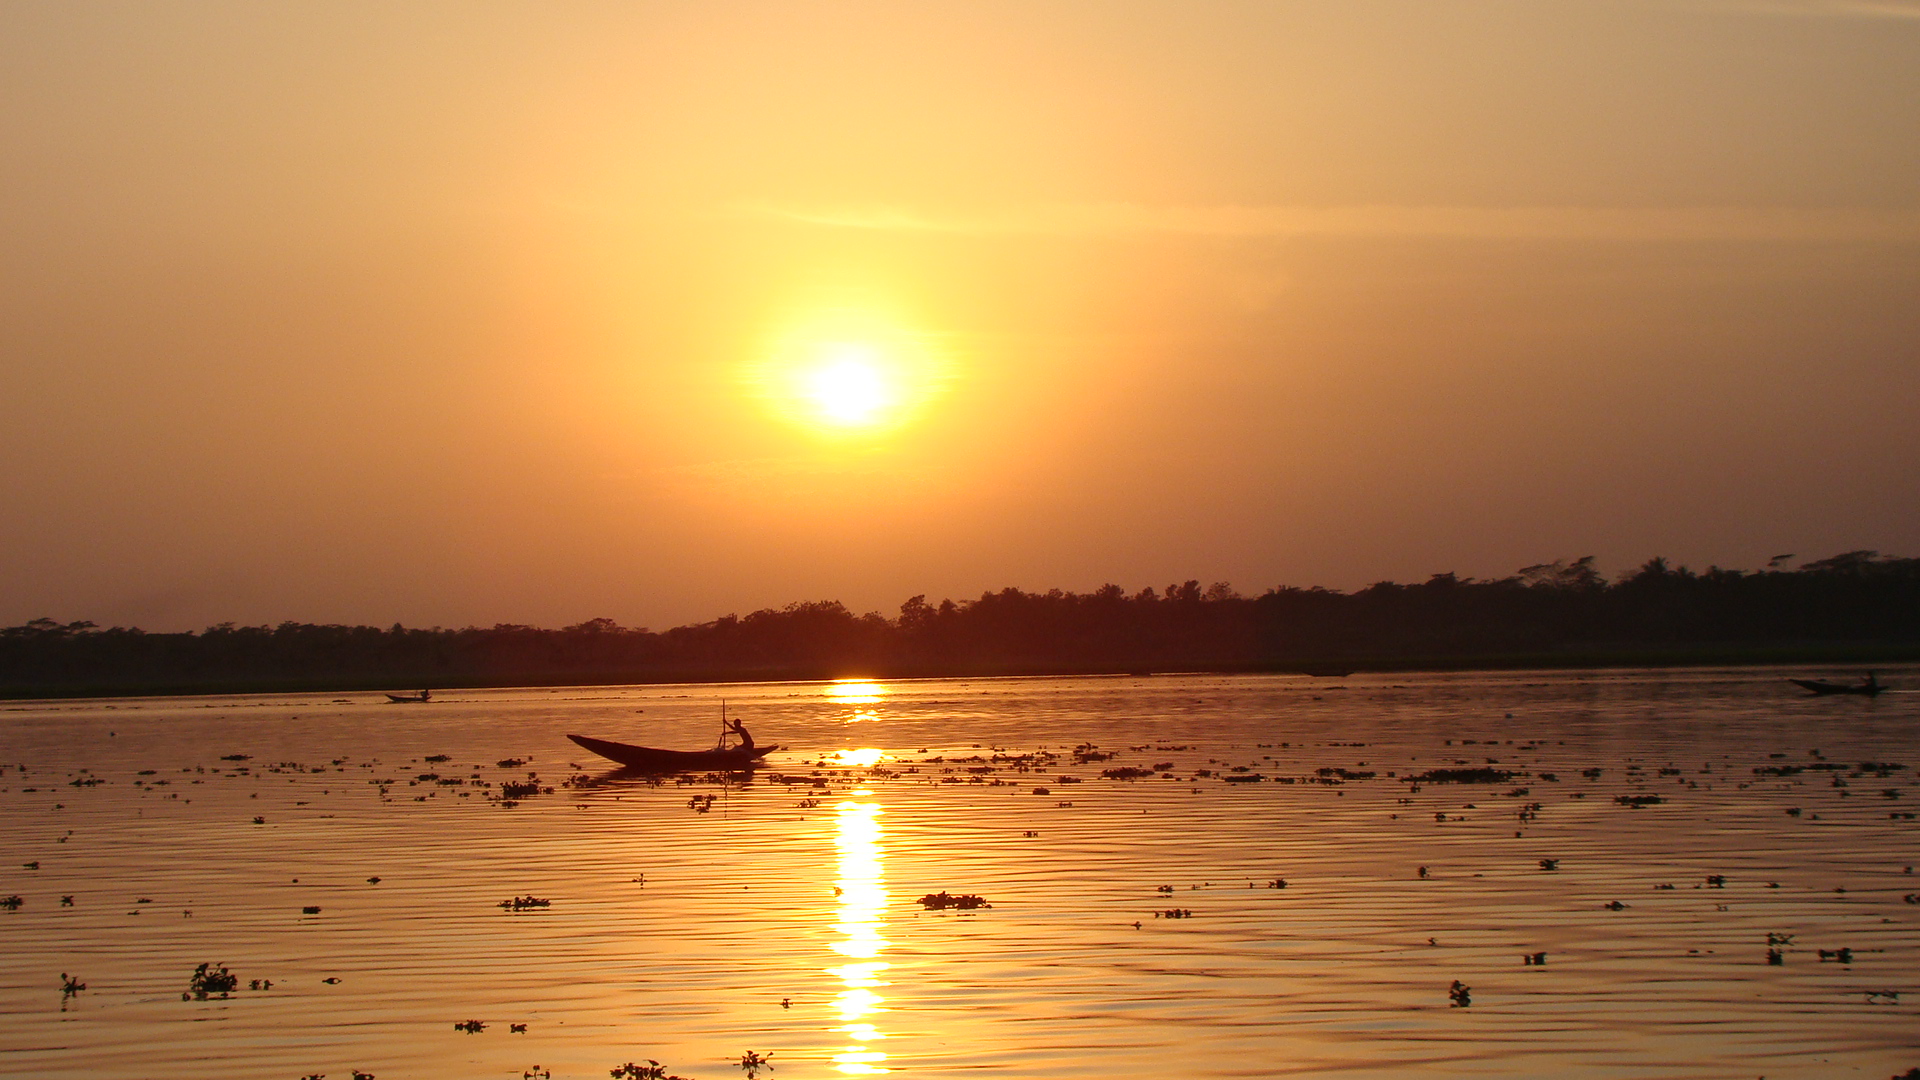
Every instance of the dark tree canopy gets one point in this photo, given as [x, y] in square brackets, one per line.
[1855, 605]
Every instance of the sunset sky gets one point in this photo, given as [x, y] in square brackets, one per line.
[471, 312]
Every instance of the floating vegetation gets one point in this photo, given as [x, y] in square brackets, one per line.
[1126, 772]
[1549, 864]
[310, 909]
[236, 757]
[471, 1027]
[522, 903]
[1638, 801]
[1174, 913]
[1614, 905]
[11, 903]
[1538, 959]
[435, 759]
[751, 1063]
[1462, 776]
[943, 900]
[506, 763]
[1460, 994]
[652, 1070]
[1838, 956]
[70, 985]
[512, 790]
[209, 980]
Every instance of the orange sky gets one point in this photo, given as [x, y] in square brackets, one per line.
[471, 312]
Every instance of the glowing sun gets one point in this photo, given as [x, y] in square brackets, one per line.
[844, 375]
[850, 386]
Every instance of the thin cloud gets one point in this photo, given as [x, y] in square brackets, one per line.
[1438, 222]
[1826, 9]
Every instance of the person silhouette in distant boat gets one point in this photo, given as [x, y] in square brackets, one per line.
[746, 740]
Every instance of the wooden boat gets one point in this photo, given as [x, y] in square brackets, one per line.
[424, 695]
[1867, 687]
[653, 759]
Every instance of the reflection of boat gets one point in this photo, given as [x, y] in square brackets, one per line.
[652, 759]
[1868, 686]
[424, 695]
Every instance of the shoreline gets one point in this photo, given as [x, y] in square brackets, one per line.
[1322, 668]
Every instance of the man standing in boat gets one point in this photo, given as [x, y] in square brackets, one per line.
[746, 740]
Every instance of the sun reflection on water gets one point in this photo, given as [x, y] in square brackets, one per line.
[863, 906]
[855, 692]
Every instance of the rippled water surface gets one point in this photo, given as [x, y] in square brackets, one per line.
[1270, 893]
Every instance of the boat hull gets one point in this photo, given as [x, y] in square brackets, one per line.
[1818, 687]
[653, 759]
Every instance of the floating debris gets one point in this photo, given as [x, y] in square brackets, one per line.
[943, 900]
[522, 903]
[752, 1062]
[471, 1027]
[1460, 994]
[209, 980]
[652, 1070]
[1462, 776]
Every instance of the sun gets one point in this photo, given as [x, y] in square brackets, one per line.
[850, 385]
[842, 374]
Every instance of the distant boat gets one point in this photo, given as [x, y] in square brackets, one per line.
[1326, 671]
[654, 759]
[1866, 687]
[424, 695]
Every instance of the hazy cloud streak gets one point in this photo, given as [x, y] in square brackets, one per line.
[1826, 9]
[1442, 222]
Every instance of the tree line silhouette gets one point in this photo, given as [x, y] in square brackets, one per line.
[1856, 606]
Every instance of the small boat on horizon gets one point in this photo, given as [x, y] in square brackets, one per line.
[1866, 687]
[424, 695]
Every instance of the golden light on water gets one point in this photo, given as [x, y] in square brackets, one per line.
[855, 691]
[863, 758]
[848, 372]
[862, 915]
